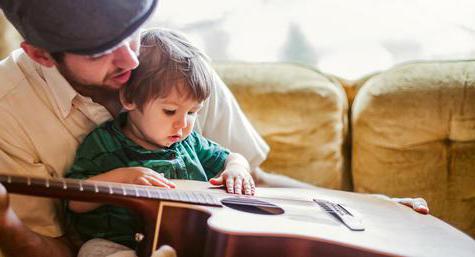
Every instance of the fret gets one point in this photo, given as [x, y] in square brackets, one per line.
[56, 183]
[155, 194]
[110, 189]
[130, 190]
[143, 192]
[9, 179]
[136, 191]
[81, 188]
[64, 184]
[116, 190]
[167, 195]
[124, 191]
[72, 185]
[199, 198]
[148, 193]
[96, 190]
[181, 197]
[187, 198]
[28, 181]
[103, 188]
[47, 183]
[88, 186]
[209, 199]
[194, 197]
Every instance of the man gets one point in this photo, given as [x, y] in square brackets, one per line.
[61, 85]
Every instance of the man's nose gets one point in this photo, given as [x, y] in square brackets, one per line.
[125, 57]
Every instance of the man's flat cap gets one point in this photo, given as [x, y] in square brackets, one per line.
[85, 27]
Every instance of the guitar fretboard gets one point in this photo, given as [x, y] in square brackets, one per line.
[65, 187]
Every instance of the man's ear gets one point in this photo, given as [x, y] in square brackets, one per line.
[127, 105]
[39, 55]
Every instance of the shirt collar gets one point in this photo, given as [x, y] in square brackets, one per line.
[63, 93]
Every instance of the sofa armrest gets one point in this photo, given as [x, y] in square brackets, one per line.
[414, 136]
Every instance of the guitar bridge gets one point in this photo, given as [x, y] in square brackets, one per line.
[341, 214]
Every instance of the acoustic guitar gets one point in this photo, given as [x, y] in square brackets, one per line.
[199, 220]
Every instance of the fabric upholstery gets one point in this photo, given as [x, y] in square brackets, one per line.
[414, 136]
[300, 113]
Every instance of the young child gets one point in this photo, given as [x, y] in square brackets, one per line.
[154, 141]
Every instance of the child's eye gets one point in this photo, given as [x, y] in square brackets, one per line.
[169, 112]
[191, 113]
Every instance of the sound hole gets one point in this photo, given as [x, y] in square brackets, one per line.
[252, 206]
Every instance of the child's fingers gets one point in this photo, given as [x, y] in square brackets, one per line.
[230, 185]
[249, 187]
[143, 181]
[238, 185]
[160, 181]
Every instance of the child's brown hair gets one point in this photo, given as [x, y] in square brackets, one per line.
[168, 60]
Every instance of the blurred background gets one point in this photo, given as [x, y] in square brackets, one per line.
[347, 38]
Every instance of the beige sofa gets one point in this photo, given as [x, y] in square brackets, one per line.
[412, 129]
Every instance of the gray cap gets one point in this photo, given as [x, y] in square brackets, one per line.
[85, 27]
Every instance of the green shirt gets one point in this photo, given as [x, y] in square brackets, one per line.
[107, 148]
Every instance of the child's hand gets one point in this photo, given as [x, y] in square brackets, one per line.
[128, 175]
[236, 181]
[236, 177]
[135, 175]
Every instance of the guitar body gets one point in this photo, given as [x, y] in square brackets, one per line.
[304, 229]
[199, 221]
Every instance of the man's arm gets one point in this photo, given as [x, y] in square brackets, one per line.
[18, 240]
[222, 120]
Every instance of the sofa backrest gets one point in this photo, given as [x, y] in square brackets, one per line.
[300, 113]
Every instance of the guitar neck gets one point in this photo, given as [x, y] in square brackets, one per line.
[86, 190]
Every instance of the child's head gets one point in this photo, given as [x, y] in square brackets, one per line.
[166, 90]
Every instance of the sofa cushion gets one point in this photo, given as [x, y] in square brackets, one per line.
[414, 135]
[300, 113]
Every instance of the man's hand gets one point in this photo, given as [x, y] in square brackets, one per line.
[3, 201]
[418, 204]
[17, 240]
[236, 176]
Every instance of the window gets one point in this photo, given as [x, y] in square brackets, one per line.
[342, 37]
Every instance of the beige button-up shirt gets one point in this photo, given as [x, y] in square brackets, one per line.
[43, 120]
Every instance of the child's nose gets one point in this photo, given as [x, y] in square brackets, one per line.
[181, 122]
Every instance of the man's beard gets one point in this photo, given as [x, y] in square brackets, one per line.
[83, 87]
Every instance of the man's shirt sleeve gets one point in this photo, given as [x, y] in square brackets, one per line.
[222, 120]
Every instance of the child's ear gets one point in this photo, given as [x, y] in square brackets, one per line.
[126, 104]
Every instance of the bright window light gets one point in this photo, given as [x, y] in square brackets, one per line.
[347, 38]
